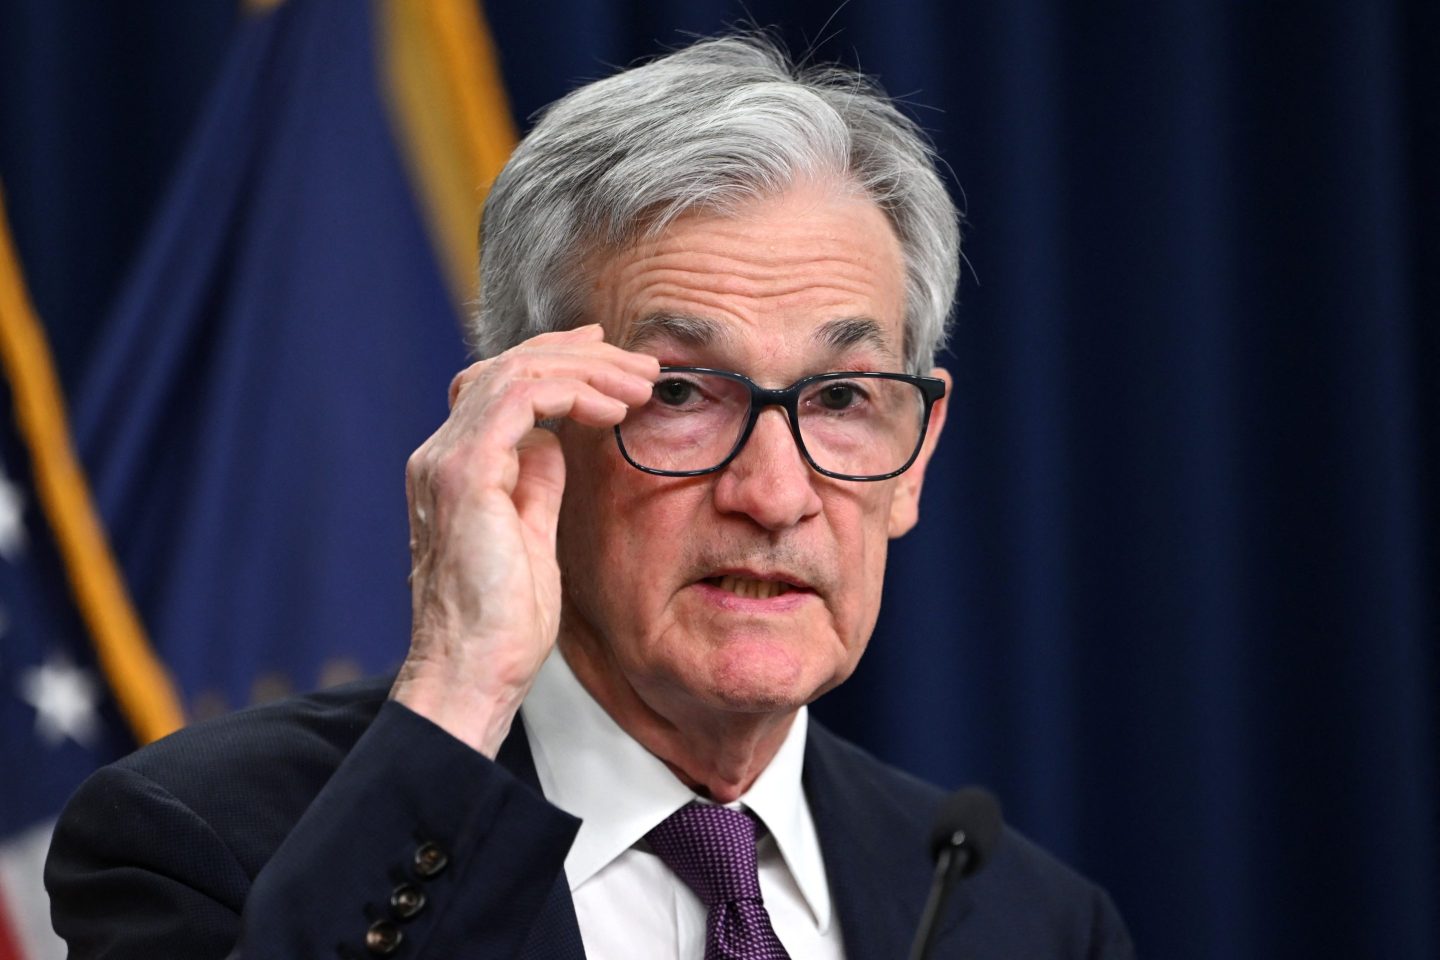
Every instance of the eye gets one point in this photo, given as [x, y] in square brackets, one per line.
[839, 395]
[673, 393]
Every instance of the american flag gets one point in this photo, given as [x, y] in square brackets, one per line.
[231, 466]
[58, 719]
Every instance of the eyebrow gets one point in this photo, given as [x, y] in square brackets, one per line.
[690, 330]
[835, 336]
[840, 335]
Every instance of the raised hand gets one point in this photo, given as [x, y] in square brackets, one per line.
[484, 495]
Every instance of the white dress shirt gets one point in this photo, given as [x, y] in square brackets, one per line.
[629, 904]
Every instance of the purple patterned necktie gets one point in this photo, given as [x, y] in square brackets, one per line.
[712, 849]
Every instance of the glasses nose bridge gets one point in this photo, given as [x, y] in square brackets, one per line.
[763, 398]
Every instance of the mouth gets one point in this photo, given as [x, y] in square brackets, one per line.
[754, 587]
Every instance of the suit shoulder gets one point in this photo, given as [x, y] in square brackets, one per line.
[1066, 914]
[1064, 907]
[314, 728]
[249, 775]
[887, 787]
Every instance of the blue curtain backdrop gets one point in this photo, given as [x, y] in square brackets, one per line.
[1173, 595]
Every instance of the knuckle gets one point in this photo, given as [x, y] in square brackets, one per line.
[448, 471]
[461, 473]
[457, 384]
[418, 462]
[506, 366]
[520, 392]
[467, 376]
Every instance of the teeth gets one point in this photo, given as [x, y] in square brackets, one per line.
[753, 589]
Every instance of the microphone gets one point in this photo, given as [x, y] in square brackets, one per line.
[966, 830]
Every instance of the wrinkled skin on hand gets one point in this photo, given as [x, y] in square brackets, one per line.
[484, 494]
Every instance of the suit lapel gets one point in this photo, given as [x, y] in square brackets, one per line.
[556, 935]
[875, 857]
[878, 873]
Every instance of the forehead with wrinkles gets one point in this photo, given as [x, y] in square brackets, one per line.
[817, 268]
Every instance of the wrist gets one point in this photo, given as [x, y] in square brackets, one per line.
[476, 713]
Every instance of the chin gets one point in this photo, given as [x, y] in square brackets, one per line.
[759, 677]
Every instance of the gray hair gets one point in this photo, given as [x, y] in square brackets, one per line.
[710, 127]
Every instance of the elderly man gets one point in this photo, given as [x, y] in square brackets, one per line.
[651, 531]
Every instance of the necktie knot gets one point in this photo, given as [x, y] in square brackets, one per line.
[712, 849]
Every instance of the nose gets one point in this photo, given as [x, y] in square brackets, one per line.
[769, 481]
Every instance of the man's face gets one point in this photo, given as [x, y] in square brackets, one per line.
[660, 572]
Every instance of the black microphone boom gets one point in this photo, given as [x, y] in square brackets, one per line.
[966, 830]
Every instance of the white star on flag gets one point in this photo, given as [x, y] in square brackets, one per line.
[12, 526]
[64, 697]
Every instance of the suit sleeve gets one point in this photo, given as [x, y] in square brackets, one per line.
[416, 847]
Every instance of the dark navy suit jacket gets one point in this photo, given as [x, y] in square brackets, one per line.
[283, 831]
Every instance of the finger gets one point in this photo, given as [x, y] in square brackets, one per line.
[461, 379]
[630, 388]
[540, 484]
[607, 366]
[640, 364]
[591, 332]
[520, 377]
[524, 403]
[479, 440]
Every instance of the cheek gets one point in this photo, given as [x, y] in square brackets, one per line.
[864, 544]
[871, 588]
[582, 537]
[620, 532]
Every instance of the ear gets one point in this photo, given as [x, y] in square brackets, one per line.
[905, 504]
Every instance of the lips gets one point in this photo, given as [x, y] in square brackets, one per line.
[751, 586]
[750, 589]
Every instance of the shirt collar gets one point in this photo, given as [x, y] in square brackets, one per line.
[592, 769]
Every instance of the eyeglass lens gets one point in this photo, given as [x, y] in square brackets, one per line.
[859, 427]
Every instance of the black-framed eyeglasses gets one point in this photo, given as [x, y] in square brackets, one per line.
[848, 425]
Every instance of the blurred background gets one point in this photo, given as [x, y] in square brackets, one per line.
[1173, 594]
